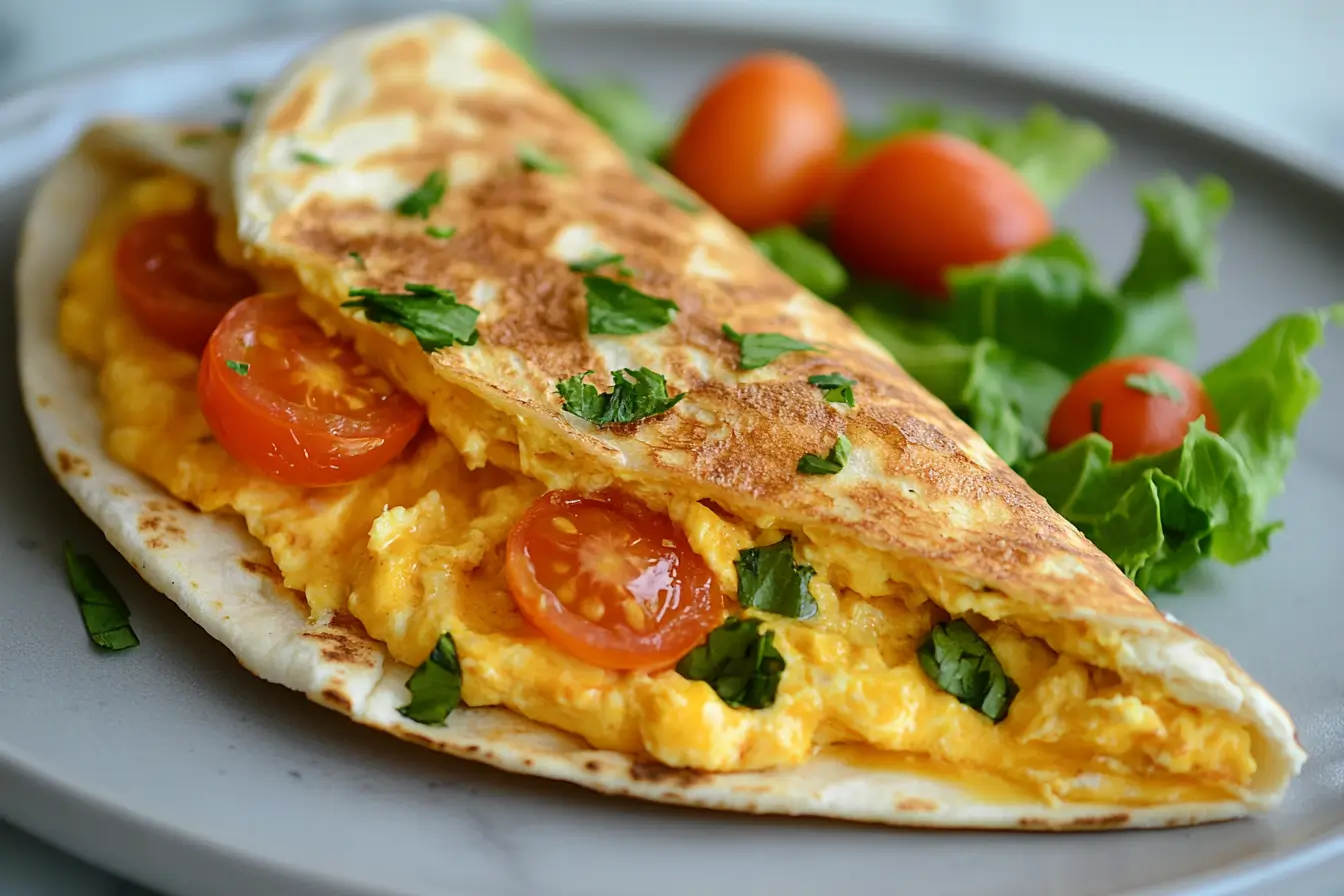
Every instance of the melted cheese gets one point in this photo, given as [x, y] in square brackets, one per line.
[417, 549]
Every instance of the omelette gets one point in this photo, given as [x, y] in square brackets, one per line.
[431, 404]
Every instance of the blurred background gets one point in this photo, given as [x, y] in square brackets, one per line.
[1266, 68]
[1271, 65]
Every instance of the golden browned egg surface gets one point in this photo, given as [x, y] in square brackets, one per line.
[417, 548]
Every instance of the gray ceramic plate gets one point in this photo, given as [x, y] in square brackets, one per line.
[173, 766]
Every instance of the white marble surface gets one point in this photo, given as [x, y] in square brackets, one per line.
[1263, 66]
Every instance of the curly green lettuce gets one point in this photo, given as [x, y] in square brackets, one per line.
[1158, 516]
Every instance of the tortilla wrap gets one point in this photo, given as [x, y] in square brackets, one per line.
[935, 493]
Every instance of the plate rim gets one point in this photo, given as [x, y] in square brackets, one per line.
[33, 104]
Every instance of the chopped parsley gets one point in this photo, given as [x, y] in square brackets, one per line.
[618, 309]
[741, 664]
[635, 395]
[239, 367]
[358, 259]
[421, 201]
[961, 663]
[834, 462]
[769, 579]
[106, 616]
[839, 389]
[1154, 383]
[440, 233]
[304, 157]
[435, 685]
[533, 159]
[759, 349]
[596, 260]
[433, 315]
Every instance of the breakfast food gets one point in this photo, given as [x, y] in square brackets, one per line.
[474, 429]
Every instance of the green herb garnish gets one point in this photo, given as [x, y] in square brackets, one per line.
[440, 233]
[839, 389]
[304, 157]
[433, 315]
[741, 664]
[759, 349]
[358, 259]
[421, 201]
[239, 367]
[106, 616]
[533, 159]
[1154, 383]
[834, 462]
[962, 663]
[618, 309]
[435, 685]
[596, 260]
[769, 579]
[635, 395]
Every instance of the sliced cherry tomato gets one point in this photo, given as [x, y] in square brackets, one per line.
[172, 279]
[610, 581]
[923, 203]
[762, 141]
[1141, 405]
[283, 397]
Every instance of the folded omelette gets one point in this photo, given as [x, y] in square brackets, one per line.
[673, 527]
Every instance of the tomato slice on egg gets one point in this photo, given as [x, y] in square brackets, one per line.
[284, 398]
[173, 281]
[610, 581]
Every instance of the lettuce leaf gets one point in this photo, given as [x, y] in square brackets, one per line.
[1046, 304]
[619, 109]
[1004, 396]
[513, 28]
[804, 259]
[1158, 516]
[1179, 246]
[1052, 152]
[1261, 394]
[1180, 242]
[613, 105]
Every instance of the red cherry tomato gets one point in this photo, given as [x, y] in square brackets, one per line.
[287, 400]
[172, 279]
[762, 141]
[923, 203]
[1127, 401]
[610, 581]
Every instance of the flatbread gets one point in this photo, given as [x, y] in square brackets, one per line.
[932, 468]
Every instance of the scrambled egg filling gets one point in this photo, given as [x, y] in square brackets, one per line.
[417, 548]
